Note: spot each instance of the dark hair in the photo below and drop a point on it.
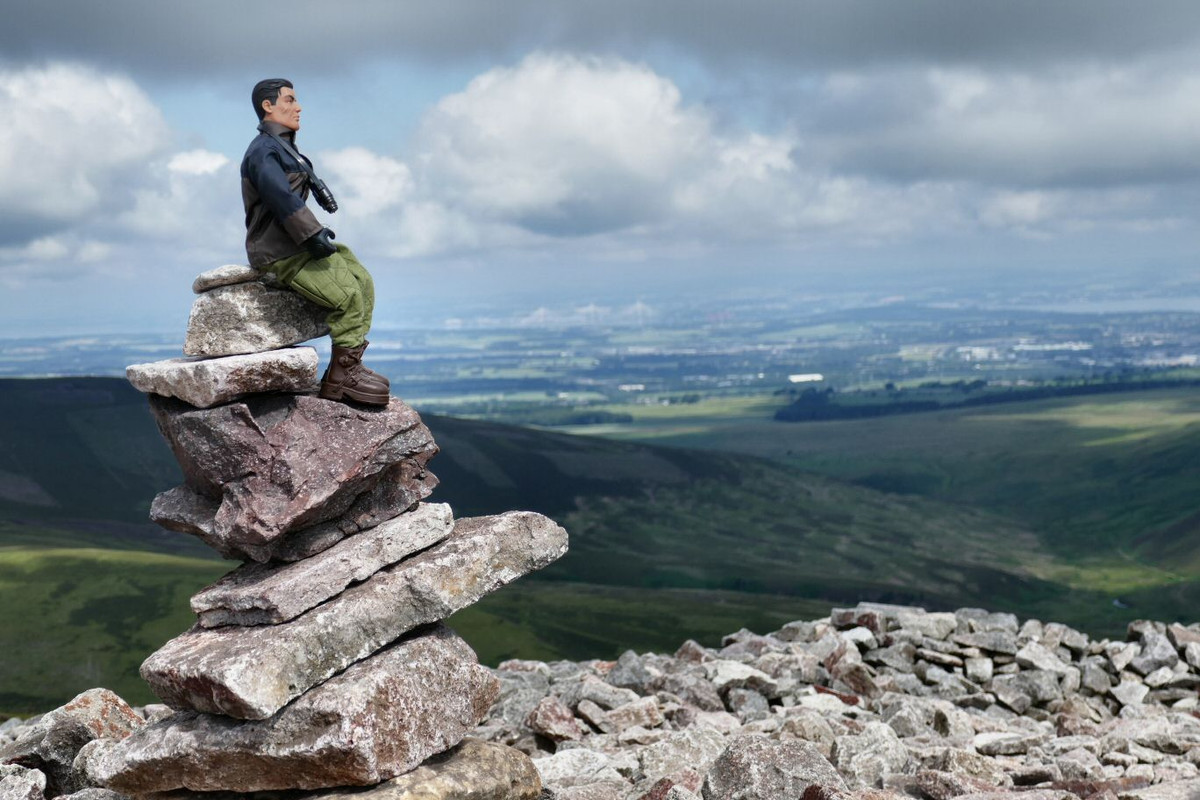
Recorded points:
(267, 90)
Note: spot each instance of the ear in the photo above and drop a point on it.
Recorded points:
(266, 106)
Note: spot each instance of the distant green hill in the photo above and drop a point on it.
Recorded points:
(665, 543)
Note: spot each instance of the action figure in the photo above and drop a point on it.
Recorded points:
(284, 237)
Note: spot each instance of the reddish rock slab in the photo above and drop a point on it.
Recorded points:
(380, 718)
(252, 672)
(275, 464)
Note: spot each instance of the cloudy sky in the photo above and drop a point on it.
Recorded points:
(485, 150)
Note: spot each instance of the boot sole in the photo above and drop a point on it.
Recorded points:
(361, 397)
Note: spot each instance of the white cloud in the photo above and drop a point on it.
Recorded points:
(197, 162)
(367, 179)
(70, 140)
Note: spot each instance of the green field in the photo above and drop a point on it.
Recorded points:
(1053, 509)
(1105, 483)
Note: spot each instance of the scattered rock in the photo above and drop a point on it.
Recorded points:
(757, 768)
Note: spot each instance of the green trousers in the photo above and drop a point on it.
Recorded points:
(339, 283)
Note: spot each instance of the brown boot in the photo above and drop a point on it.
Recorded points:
(346, 377)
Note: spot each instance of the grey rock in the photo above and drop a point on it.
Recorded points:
(936, 625)
(211, 381)
(689, 688)
(250, 317)
(629, 673)
(94, 793)
(259, 459)
(1157, 651)
(83, 773)
(992, 640)
(757, 768)
(1120, 654)
(747, 704)
(520, 692)
(1035, 656)
(577, 767)
(473, 770)
(1007, 743)
(1095, 678)
(641, 713)
(21, 783)
(971, 764)
(552, 719)
(603, 694)
(1130, 693)
(1079, 765)
(1191, 652)
(725, 674)
(694, 748)
(869, 755)
(1178, 790)
(1181, 636)
(258, 594)
(52, 744)
(899, 657)
(380, 718)
(979, 670)
(251, 673)
(907, 720)
(227, 275)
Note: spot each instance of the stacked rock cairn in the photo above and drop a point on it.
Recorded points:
(322, 660)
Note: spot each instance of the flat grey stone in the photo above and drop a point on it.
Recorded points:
(267, 594)
(1035, 656)
(227, 275)
(252, 672)
(380, 718)
(250, 318)
(279, 463)
(1130, 693)
(211, 381)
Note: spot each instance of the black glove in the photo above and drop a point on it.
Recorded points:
(320, 244)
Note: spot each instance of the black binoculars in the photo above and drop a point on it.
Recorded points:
(323, 195)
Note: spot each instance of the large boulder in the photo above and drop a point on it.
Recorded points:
(258, 594)
(380, 718)
(211, 381)
(252, 672)
(274, 464)
(250, 317)
(51, 745)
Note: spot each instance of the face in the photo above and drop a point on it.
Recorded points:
(285, 111)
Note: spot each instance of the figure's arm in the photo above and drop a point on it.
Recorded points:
(266, 172)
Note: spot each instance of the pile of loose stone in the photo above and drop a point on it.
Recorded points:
(874, 702)
(321, 661)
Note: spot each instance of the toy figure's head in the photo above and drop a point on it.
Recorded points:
(275, 101)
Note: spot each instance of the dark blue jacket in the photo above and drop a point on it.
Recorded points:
(274, 192)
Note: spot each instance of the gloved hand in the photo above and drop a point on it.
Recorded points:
(320, 244)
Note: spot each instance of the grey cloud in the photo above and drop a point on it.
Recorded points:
(223, 35)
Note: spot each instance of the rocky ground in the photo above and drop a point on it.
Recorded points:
(874, 702)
